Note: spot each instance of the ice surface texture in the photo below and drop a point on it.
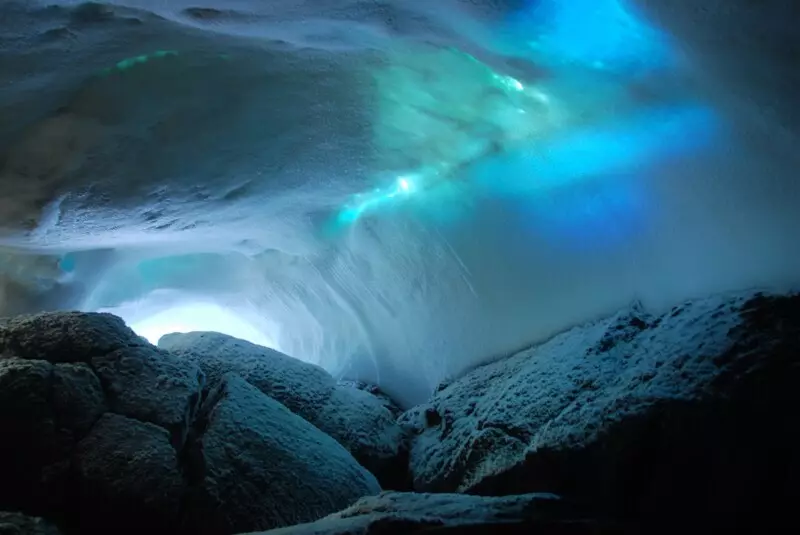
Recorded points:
(207, 147)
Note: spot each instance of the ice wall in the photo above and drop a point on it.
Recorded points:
(395, 198)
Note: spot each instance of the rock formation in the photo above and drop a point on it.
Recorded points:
(637, 423)
(360, 421)
(103, 430)
(652, 419)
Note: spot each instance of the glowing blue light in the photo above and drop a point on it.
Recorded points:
(509, 82)
(67, 263)
(578, 156)
(590, 216)
(588, 189)
(570, 41)
(597, 33)
(363, 203)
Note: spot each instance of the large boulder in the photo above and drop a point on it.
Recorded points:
(376, 391)
(406, 512)
(93, 415)
(357, 419)
(125, 471)
(65, 336)
(663, 420)
(103, 432)
(263, 464)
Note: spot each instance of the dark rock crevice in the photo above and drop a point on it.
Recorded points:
(192, 464)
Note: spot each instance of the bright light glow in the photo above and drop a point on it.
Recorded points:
(539, 95)
(621, 146)
(199, 317)
(600, 33)
(588, 114)
(509, 82)
(372, 200)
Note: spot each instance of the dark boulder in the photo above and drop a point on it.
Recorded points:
(125, 471)
(684, 418)
(357, 419)
(104, 433)
(263, 465)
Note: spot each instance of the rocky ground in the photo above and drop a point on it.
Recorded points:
(634, 423)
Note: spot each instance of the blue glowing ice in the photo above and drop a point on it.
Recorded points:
(588, 189)
(597, 33)
(623, 135)
(401, 187)
(615, 147)
(592, 216)
(67, 263)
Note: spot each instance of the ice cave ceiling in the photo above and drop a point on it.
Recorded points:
(393, 189)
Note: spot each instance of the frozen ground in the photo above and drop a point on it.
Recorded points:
(395, 190)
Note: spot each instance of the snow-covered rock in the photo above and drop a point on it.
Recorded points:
(19, 524)
(66, 337)
(126, 472)
(376, 391)
(139, 380)
(357, 419)
(265, 465)
(400, 512)
(103, 432)
(687, 413)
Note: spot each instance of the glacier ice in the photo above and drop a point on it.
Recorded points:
(394, 190)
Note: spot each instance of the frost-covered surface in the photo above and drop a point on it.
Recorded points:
(302, 387)
(358, 420)
(266, 466)
(139, 380)
(387, 401)
(627, 408)
(103, 432)
(66, 337)
(397, 512)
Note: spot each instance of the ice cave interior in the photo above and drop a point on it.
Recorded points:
(395, 190)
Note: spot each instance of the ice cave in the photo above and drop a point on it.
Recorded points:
(422, 208)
